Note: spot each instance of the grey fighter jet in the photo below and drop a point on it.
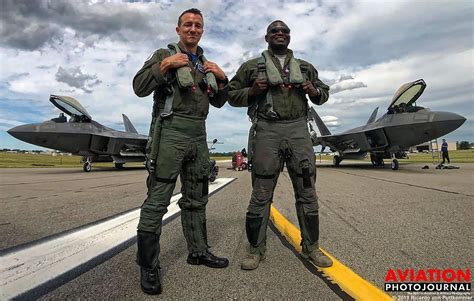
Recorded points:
(404, 125)
(80, 135)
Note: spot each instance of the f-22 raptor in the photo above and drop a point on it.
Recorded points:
(404, 125)
(80, 135)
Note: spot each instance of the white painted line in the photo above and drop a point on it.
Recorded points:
(25, 269)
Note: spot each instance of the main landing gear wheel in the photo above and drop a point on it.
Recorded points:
(87, 167)
(394, 164)
(119, 165)
(336, 161)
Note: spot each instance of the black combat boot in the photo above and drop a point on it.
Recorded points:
(208, 259)
(147, 259)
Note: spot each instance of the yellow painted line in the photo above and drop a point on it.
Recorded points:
(354, 285)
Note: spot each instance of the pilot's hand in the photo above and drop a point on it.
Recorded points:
(258, 87)
(215, 69)
(174, 61)
(309, 89)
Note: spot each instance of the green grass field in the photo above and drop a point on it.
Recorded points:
(9, 160)
(457, 156)
(42, 160)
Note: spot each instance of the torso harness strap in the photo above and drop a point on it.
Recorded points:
(266, 69)
(185, 80)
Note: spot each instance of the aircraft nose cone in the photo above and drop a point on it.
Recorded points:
(448, 121)
(448, 116)
(23, 132)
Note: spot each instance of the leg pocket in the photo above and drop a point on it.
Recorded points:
(307, 172)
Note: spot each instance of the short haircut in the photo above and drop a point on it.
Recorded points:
(276, 21)
(191, 10)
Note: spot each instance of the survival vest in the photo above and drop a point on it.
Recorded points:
(266, 69)
(185, 80)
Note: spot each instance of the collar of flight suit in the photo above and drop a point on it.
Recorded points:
(199, 50)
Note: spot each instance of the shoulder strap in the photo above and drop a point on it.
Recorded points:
(273, 77)
(168, 109)
(261, 68)
(183, 75)
(211, 79)
(261, 74)
(296, 77)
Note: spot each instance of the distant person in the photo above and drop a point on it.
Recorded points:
(444, 151)
(184, 84)
(275, 88)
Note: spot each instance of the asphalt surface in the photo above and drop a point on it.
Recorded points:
(372, 220)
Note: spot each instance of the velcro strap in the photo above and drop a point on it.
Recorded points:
(306, 175)
(167, 181)
(205, 185)
(264, 176)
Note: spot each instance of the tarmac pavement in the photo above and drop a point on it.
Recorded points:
(372, 220)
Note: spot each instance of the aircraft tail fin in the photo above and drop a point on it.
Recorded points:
(373, 116)
(129, 128)
(323, 130)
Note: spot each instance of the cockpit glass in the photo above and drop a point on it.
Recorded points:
(70, 106)
(408, 95)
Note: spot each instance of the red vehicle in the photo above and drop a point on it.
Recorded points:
(239, 160)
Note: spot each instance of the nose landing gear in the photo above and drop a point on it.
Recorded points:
(87, 166)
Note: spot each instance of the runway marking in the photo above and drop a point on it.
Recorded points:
(38, 268)
(351, 283)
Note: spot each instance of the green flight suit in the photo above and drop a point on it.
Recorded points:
(182, 150)
(278, 141)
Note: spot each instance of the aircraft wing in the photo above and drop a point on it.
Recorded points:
(343, 143)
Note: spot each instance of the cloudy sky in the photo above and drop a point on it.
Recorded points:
(365, 50)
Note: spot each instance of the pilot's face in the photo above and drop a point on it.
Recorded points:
(190, 30)
(278, 35)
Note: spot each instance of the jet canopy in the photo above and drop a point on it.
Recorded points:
(71, 107)
(405, 97)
